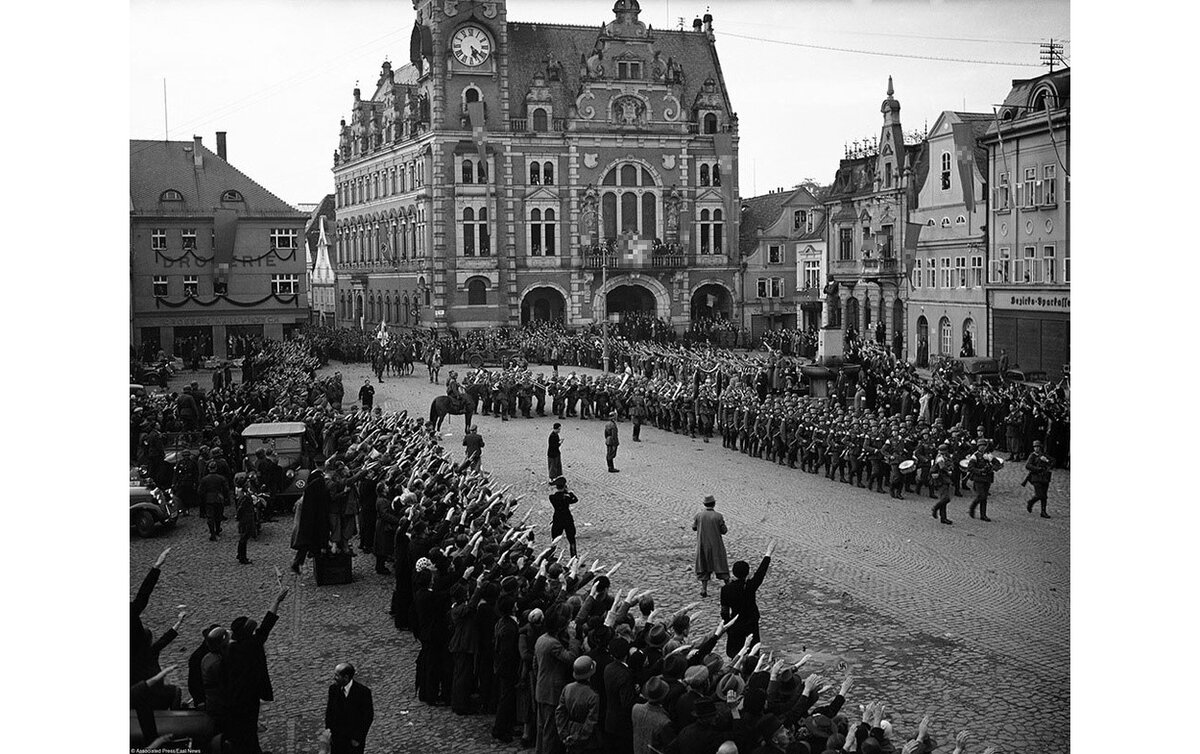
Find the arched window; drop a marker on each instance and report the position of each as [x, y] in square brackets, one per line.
[398, 180]
[171, 195]
[468, 171]
[629, 212]
[704, 175]
[629, 175]
[649, 215]
[387, 308]
[626, 211]
[476, 292]
[481, 172]
[539, 120]
[407, 308]
[471, 94]
[485, 243]
[716, 175]
[969, 342]
[551, 233]
[960, 220]
[535, 232]
[710, 123]
[468, 225]
[608, 209]
[548, 174]
[945, 337]
[712, 231]
[945, 222]
[945, 171]
[535, 173]
[231, 195]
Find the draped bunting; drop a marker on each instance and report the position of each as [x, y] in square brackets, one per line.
[289, 298]
[291, 254]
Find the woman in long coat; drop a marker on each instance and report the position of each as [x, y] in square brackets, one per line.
[710, 547]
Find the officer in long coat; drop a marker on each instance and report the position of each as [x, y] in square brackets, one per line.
[310, 533]
[710, 547]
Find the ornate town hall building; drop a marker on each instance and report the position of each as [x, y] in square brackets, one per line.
[491, 180]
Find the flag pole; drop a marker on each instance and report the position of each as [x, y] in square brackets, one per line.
[604, 296]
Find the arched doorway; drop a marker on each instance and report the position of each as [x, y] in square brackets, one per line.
[945, 337]
[543, 304]
[922, 342]
[969, 346]
[852, 313]
[898, 316]
[624, 300]
[868, 322]
[711, 301]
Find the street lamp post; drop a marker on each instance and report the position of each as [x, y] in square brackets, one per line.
[604, 297]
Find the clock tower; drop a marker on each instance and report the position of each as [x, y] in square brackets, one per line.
[461, 49]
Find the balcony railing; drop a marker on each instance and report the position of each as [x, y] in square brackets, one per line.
[592, 261]
[880, 266]
[521, 125]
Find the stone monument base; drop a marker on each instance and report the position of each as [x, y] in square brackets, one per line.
[830, 345]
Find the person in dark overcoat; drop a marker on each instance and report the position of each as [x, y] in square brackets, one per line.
[349, 712]
[710, 548]
[739, 599]
[310, 531]
[248, 679]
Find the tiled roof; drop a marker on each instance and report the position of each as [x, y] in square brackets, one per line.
[759, 212]
[156, 166]
[538, 43]
[1018, 96]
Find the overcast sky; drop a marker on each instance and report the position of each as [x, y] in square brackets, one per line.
[279, 74]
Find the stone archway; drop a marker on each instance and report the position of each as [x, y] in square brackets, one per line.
[711, 299]
[851, 319]
[658, 295]
[543, 302]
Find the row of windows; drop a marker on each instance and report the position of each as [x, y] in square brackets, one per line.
[846, 241]
[388, 182]
[945, 341]
[402, 238]
[960, 220]
[1038, 189]
[281, 285]
[281, 238]
[953, 273]
[770, 287]
[1031, 267]
[710, 174]
[402, 309]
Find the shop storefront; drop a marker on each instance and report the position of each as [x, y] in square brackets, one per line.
[1033, 327]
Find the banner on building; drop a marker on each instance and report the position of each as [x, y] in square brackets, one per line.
[912, 235]
[475, 112]
[225, 236]
[964, 141]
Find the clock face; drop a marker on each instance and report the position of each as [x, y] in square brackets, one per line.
[471, 46]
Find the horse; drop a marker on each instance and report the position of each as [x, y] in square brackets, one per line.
[442, 406]
[433, 360]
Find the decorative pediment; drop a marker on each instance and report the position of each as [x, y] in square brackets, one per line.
[887, 150]
[539, 92]
[709, 98]
[709, 194]
[865, 217]
[542, 194]
[628, 110]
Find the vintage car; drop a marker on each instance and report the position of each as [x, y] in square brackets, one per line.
[287, 439]
[491, 357]
[979, 370]
[150, 507]
[1032, 377]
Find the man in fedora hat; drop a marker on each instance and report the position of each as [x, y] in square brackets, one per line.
[710, 547]
[577, 716]
[652, 729]
[703, 735]
[1038, 467]
[774, 735]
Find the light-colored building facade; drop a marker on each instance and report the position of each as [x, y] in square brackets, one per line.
[1029, 233]
[322, 284]
[215, 258]
[947, 303]
[868, 210]
[602, 147]
[783, 249]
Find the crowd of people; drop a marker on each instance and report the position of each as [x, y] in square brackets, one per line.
[532, 634]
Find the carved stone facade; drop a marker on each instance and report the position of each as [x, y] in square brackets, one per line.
[612, 161]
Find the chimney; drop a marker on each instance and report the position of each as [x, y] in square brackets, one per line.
[221, 146]
[197, 158]
[708, 27]
[697, 24]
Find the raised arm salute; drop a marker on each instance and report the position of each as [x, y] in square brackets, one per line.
[739, 599]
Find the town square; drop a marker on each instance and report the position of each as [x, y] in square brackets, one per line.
[493, 406]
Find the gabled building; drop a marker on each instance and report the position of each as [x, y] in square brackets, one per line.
[514, 172]
[868, 207]
[215, 258]
[322, 284]
[1029, 233]
[783, 250]
[947, 303]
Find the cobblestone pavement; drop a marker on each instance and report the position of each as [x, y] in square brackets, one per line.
[969, 622]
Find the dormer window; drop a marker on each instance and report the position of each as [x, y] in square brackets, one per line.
[945, 222]
[710, 123]
[799, 219]
[540, 121]
[629, 69]
[945, 171]
[231, 196]
[960, 220]
[171, 195]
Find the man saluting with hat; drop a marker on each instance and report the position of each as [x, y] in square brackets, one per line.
[710, 547]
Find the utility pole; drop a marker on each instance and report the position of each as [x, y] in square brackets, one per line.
[1051, 52]
[166, 130]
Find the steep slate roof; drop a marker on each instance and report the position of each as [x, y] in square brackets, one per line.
[692, 51]
[312, 230]
[155, 166]
[1018, 96]
[759, 212]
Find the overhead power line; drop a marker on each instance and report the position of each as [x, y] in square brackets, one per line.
[882, 54]
[982, 40]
